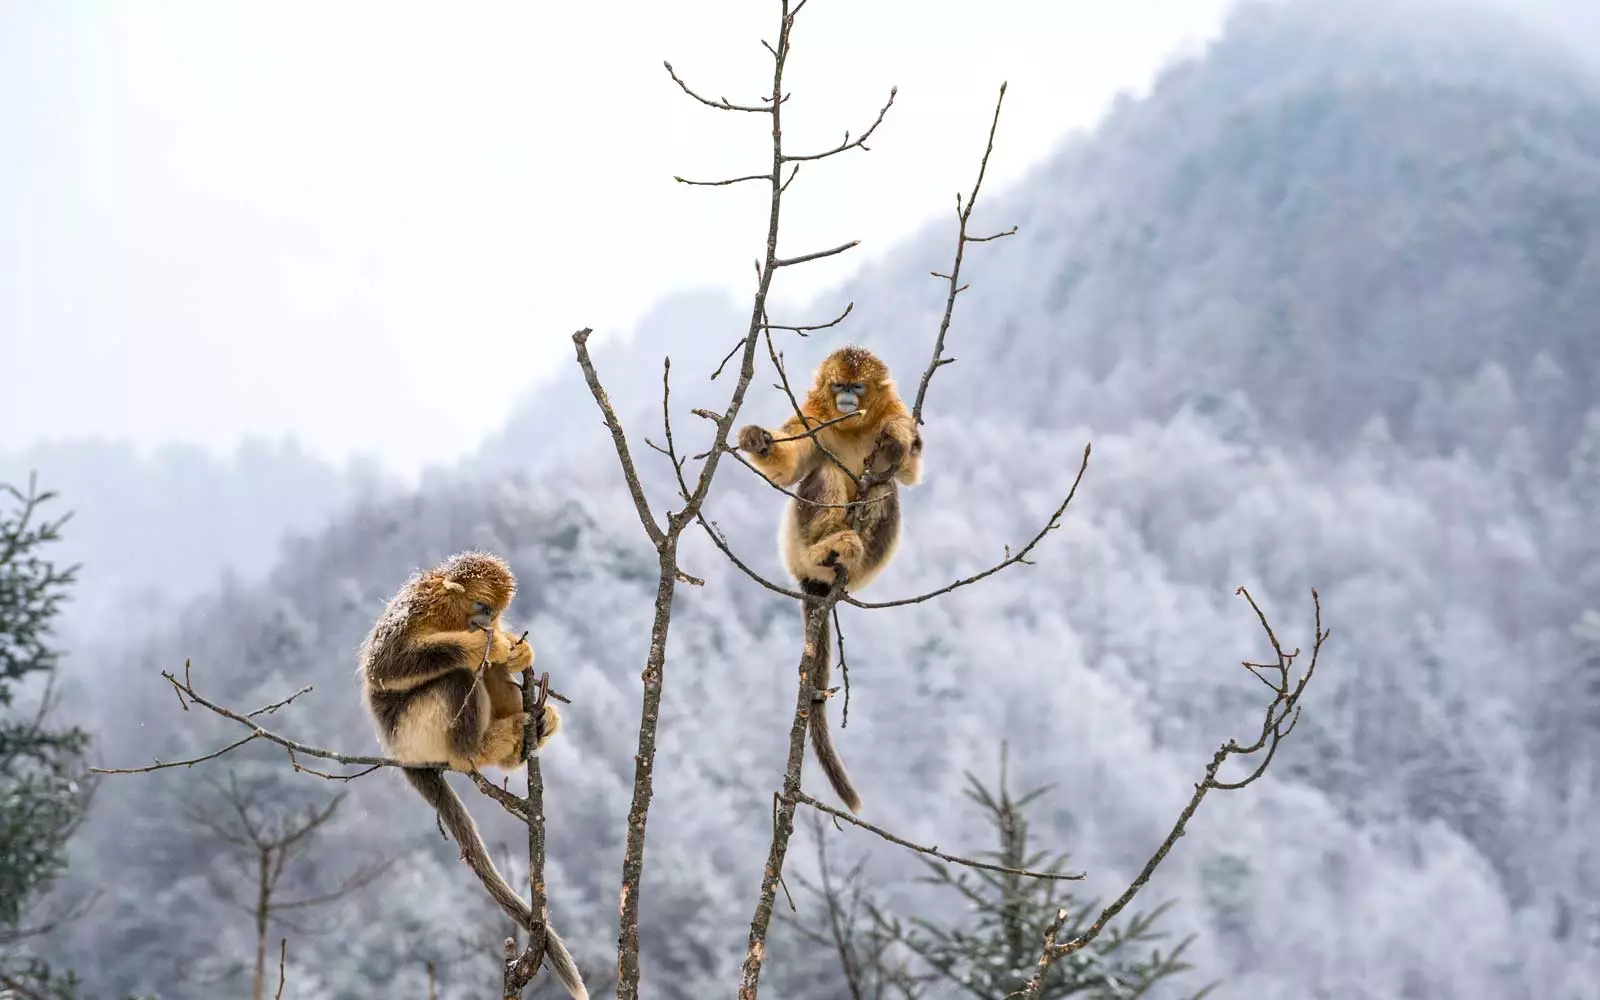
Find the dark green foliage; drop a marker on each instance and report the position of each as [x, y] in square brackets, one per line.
[987, 941]
[43, 791]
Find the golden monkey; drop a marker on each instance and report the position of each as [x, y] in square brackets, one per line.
[814, 540]
[420, 682]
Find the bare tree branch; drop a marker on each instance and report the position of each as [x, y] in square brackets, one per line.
[1281, 714]
[934, 851]
[963, 215]
[848, 144]
[520, 972]
[270, 839]
[666, 539]
[185, 690]
[720, 103]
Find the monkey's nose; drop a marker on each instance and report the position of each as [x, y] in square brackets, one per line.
[477, 622]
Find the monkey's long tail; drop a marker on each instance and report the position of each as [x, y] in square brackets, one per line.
[454, 815]
[821, 736]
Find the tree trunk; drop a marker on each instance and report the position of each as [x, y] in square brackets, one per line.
[262, 895]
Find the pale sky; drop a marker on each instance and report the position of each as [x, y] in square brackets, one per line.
[374, 225]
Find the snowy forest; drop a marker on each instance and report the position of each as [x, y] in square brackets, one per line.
[1325, 304]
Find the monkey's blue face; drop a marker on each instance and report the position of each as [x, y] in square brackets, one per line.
[482, 617]
[847, 396]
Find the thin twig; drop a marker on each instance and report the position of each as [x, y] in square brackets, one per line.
[1011, 559]
[1285, 706]
[283, 953]
[934, 851]
[162, 764]
[186, 689]
[963, 214]
[812, 328]
[720, 103]
[848, 144]
[619, 440]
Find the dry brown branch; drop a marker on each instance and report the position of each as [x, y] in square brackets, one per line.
[806, 330]
[1281, 714]
[722, 183]
[283, 953]
[806, 258]
[721, 103]
[187, 693]
[520, 972]
[963, 215]
[783, 818]
[848, 144]
[933, 851]
[1011, 559]
[666, 539]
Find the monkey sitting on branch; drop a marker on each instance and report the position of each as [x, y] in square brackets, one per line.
[436, 678]
[863, 422]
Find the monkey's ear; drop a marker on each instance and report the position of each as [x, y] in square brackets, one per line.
[452, 585]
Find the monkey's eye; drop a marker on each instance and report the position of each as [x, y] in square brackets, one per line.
[481, 607]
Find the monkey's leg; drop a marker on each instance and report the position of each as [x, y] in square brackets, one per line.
[820, 516]
[469, 718]
[505, 695]
[503, 744]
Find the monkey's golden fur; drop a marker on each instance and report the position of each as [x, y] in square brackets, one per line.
[814, 541]
[420, 682]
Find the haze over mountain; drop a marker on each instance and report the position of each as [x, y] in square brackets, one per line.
[1324, 303]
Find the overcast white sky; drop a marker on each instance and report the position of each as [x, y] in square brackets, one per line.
[327, 219]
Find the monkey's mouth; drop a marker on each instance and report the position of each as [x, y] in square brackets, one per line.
[846, 402]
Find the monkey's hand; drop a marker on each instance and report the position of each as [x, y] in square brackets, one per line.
[756, 440]
[519, 656]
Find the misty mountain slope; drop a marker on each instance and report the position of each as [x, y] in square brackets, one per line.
[1339, 213]
[1118, 650]
[154, 531]
[1427, 831]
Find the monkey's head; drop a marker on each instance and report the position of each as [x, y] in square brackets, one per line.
[469, 590]
[852, 380]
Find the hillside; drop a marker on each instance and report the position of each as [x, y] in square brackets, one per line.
[1323, 303]
[156, 530]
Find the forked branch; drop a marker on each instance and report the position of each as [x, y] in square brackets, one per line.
[1280, 717]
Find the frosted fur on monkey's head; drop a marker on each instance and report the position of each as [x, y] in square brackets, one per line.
[445, 597]
[852, 363]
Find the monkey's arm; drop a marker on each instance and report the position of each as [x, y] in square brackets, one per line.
[899, 438]
[431, 656]
[782, 462]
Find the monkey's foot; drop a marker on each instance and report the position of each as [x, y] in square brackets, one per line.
[503, 742]
[843, 548]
